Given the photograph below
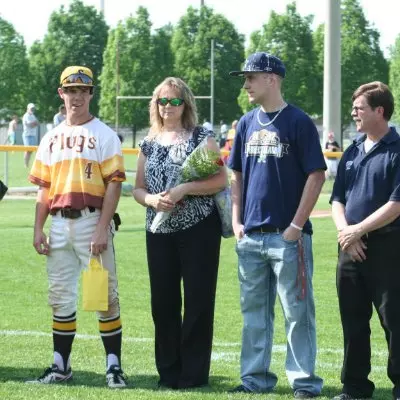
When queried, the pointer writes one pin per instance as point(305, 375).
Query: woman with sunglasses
point(186, 246)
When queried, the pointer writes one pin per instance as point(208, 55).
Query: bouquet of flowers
point(200, 164)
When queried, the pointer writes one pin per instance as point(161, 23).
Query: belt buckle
point(269, 229)
point(70, 213)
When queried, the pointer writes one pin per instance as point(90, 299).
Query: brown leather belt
point(266, 229)
point(72, 213)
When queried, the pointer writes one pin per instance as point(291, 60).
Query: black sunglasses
point(78, 78)
point(176, 102)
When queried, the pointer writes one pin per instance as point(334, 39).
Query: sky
point(30, 18)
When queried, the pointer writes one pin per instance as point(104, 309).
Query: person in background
point(366, 208)
point(222, 136)
point(60, 116)
point(79, 169)
point(12, 130)
point(186, 246)
point(207, 125)
point(30, 131)
point(277, 175)
point(331, 162)
point(229, 139)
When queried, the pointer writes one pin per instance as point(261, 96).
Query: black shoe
point(166, 386)
point(304, 394)
point(240, 389)
point(345, 396)
point(115, 377)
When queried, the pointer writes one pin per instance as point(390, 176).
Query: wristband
point(293, 225)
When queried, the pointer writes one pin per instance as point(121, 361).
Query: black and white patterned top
point(161, 167)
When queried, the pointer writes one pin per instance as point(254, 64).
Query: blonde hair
point(189, 116)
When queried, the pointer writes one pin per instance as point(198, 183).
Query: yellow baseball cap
point(76, 76)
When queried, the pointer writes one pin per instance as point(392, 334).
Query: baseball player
point(79, 170)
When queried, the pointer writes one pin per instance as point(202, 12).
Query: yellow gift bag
point(95, 286)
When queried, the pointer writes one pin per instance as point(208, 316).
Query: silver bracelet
point(293, 225)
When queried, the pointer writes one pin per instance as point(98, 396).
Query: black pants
point(374, 282)
point(183, 346)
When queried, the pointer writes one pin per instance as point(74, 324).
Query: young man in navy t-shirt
point(366, 208)
point(277, 175)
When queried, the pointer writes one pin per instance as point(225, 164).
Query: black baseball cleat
point(53, 375)
point(115, 378)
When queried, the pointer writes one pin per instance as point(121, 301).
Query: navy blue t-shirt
point(275, 162)
point(366, 181)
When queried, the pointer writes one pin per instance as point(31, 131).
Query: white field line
point(228, 354)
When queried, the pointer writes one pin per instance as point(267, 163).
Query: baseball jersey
point(275, 160)
point(76, 163)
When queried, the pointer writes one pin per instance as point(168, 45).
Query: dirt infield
point(320, 214)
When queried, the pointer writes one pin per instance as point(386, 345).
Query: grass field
point(25, 327)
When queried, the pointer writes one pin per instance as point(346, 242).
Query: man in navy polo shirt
point(366, 208)
point(277, 174)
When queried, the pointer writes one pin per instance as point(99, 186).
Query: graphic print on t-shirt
point(265, 143)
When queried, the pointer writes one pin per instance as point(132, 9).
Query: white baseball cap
point(30, 105)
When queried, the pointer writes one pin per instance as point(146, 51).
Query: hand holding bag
point(95, 286)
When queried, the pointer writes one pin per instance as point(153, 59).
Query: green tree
point(142, 60)
point(362, 59)
point(394, 77)
point(289, 36)
point(14, 72)
point(191, 44)
point(75, 37)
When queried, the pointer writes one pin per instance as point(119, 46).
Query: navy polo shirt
point(365, 182)
point(275, 162)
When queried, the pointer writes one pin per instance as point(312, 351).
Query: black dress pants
point(183, 344)
point(373, 282)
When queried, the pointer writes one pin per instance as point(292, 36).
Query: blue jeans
point(269, 264)
point(29, 140)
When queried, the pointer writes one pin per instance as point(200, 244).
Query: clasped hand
point(349, 235)
point(166, 200)
point(350, 241)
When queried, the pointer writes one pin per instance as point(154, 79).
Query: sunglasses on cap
point(176, 102)
point(78, 79)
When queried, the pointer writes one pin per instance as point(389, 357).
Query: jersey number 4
point(89, 170)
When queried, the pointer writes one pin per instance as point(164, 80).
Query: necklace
point(273, 119)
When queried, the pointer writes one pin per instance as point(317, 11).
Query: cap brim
point(76, 84)
point(236, 73)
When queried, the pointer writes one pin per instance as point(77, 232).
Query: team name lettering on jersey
point(265, 143)
point(72, 142)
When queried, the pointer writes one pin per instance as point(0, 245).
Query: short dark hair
point(66, 89)
point(377, 94)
